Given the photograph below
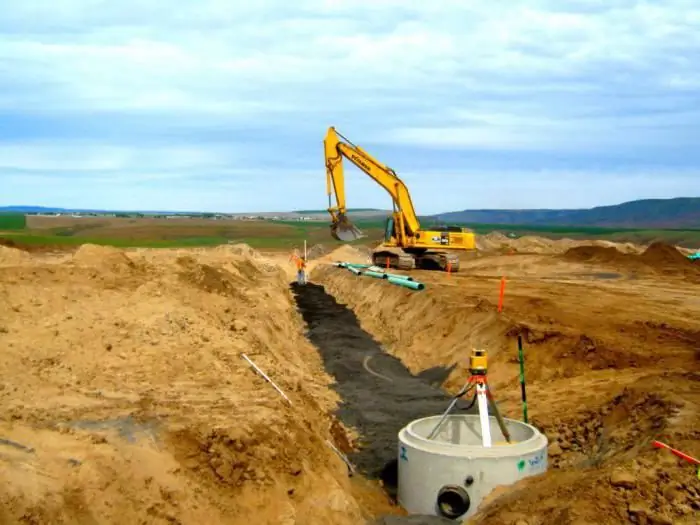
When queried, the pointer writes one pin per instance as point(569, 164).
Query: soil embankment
point(125, 399)
point(658, 258)
point(611, 365)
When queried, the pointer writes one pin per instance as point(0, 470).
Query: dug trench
point(379, 395)
point(611, 367)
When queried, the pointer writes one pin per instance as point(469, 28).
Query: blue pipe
point(413, 285)
point(397, 276)
point(378, 275)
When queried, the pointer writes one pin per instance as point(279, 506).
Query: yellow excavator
point(405, 245)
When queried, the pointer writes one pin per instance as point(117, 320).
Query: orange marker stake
point(501, 294)
point(387, 263)
point(449, 268)
point(675, 452)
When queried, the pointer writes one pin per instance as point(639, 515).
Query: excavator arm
point(336, 147)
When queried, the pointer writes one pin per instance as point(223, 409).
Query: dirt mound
point(493, 241)
point(317, 251)
point(663, 256)
point(596, 254)
point(12, 256)
point(236, 250)
point(142, 394)
point(347, 254)
point(95, 256)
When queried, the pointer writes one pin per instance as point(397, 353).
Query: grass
point(32, 239)
point(281, 235)
point(12, 221)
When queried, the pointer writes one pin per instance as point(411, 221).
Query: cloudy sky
point(222, 105)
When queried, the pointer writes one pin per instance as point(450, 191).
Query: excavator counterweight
point(405, 245)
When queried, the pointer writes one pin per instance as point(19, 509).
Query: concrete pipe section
point(450, 474)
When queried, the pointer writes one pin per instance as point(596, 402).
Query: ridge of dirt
point(659, 257)
point(497, 242)
point(609, 366)
point(125, 398)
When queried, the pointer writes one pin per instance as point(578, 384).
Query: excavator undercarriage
point(425, 260)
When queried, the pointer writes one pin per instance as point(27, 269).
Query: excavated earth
point(126, 397)
point(612, 363)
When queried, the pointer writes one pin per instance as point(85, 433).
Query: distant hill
point(683, 212)
point(680, 213)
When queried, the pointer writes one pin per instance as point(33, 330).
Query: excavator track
point(444, 261)
point(395, 259)
point(440, 261)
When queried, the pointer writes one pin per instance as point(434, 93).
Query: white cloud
point(71, 157)
point(219, 89)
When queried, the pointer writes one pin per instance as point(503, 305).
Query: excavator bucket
point(344, 230)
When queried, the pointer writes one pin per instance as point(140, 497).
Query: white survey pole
point(483, 415)
point(304, 249)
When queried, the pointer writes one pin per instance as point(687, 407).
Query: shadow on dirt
point(437, 375)
point(379, 395)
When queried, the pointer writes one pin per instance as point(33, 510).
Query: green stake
point(521, 358)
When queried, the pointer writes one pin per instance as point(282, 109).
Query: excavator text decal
point(362, 163)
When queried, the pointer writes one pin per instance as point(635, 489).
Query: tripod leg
point(483, 415)
point(449, 409)
point(499, 418)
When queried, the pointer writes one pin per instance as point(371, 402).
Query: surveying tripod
point(482, 396)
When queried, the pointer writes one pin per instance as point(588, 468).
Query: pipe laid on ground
point(378, 275)
point(356, 271)
point(413, 285)
point(398, 276)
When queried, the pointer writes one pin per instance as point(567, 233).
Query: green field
point(274, 235)
point(12, 221)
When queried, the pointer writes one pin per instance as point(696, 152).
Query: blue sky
point(222, 105)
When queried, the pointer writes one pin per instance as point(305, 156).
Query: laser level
point(478, 368)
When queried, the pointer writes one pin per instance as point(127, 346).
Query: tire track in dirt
point(377, 408)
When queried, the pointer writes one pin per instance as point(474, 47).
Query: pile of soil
point(126, 399)
point(659, 257)
point(597, 254)
point(664, 256)
point(317, 251)
point(10, 256)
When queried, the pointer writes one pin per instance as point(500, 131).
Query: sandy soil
point(496, 242)
point(613, 361)
point(126, 400)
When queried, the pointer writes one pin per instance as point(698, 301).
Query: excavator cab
point(389, 229)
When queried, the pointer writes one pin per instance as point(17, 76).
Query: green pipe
point(378, 275)
point(413, 285)
point(354, 270)
point(356, 265)
point(521, 358)
point(397, 276)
